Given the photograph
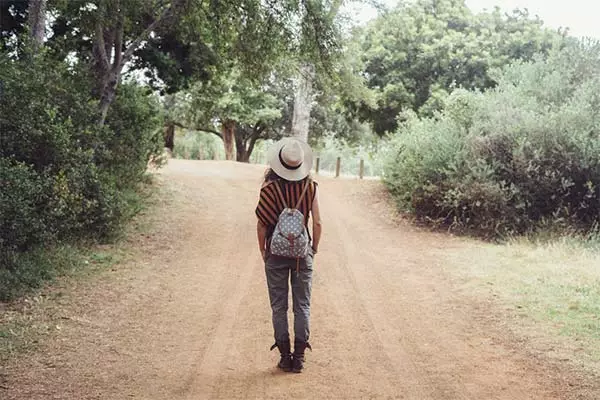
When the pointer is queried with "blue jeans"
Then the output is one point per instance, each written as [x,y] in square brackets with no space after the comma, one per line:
[280,272]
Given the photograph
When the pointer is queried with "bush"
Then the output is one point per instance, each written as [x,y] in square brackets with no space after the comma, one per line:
[523,154]
[23,200]
[62,177]
[132,135]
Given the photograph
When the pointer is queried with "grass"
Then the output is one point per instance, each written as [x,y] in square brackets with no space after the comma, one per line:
[37,267]
[28,317]
[553,286]
[29,295]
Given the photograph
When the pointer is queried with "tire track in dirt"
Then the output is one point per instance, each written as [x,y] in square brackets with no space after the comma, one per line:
[395,281]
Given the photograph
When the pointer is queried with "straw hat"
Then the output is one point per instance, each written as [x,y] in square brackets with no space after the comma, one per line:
[291,159]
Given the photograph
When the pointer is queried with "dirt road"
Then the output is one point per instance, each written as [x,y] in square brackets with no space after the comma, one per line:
[190,319]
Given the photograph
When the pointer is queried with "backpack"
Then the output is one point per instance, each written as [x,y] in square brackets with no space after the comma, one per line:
[290,238]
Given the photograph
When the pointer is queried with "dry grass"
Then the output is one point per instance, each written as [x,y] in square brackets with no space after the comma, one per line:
[551,290]
[30,318]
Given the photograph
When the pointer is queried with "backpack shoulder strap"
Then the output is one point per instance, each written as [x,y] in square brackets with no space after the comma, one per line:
[306,185]
[278,187]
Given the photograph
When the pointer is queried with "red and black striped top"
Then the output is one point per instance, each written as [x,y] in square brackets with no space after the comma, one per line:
[270,204]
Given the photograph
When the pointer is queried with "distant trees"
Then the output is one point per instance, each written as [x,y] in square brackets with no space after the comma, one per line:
[415,55]
[176,42]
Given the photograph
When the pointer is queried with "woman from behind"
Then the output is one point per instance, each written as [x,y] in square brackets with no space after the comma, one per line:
[288,200]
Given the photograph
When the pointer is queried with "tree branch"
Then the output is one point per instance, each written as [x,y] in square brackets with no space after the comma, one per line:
[250,149]
[197,128]
[100,45]
[119,41]
[259,128]
[134,45]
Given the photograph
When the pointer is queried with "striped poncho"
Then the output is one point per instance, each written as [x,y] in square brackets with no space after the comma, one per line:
[270,205]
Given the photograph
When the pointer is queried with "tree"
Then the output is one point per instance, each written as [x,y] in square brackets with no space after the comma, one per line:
[103,34]
[237,110]
[418,53]
[114,45]
[303,102]
[176,42]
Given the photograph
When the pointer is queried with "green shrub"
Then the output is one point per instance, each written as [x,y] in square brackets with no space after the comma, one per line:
[23,200]
[523,154]
[132,135]
[62,177]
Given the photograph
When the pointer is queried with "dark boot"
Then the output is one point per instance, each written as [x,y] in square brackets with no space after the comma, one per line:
[298,356]
[285,363]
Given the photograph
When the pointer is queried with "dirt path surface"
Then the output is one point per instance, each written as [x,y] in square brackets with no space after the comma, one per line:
[190,318]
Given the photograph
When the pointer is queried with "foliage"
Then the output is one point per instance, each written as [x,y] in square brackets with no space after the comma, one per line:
[523,154]
[35,267]
[198,146]
[66,177]
[13,18]
[415,55]
[233,97]
[135,118]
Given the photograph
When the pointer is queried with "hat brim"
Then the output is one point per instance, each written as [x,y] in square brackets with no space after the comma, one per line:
[286,173]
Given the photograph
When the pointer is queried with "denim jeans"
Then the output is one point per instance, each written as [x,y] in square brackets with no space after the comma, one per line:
[280,272]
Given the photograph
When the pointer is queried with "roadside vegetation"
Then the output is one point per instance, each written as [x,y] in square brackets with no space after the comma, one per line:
[550,290]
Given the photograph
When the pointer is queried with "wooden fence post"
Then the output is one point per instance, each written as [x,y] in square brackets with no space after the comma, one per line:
[317,166]
[361,172]
[337,167]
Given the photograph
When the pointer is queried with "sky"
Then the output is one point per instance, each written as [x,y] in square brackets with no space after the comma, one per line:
[580,16]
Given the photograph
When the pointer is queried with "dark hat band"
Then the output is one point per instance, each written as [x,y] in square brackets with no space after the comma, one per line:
[286,166]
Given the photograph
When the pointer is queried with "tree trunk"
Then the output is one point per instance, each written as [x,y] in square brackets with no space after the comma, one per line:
[250,148]
[108,55]
[246,140]
[37,21]
[243,150]
[303,100]
[240,146]
[242,155]
[228,133]
[169,136]
[108,93]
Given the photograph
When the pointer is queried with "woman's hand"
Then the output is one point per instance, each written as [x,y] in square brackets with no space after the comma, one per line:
[263,253]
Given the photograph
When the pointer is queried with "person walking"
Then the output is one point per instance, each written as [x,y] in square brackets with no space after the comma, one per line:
[288,199]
